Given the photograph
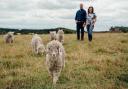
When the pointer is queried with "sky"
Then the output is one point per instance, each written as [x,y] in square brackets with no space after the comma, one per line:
[42,14]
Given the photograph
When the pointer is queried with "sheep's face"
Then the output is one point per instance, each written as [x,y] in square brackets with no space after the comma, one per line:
[53,34]
[61,32]
[41,49]
[53,51]
[9,35]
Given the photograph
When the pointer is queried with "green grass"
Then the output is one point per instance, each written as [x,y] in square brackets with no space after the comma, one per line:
[101,65]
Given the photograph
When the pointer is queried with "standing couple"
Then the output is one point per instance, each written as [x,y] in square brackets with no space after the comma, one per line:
[85,19]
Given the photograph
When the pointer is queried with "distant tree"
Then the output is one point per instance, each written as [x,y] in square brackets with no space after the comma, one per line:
[119,29]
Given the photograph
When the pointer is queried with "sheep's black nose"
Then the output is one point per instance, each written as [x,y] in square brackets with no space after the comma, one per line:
[53,54]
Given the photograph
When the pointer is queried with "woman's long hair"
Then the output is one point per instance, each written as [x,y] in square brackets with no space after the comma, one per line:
[92,10]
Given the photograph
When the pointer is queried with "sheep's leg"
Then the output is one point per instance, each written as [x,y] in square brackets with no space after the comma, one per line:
[52,38]
[55,77]
[48,67]
[36,51]
[11,41]
[51,74]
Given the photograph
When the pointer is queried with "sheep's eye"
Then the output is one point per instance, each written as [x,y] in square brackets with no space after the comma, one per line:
[58,48]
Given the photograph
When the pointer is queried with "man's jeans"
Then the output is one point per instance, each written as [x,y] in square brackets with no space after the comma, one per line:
[80,28]
[90,29]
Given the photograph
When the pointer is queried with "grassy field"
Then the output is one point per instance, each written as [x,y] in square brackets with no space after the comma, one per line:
[101,65]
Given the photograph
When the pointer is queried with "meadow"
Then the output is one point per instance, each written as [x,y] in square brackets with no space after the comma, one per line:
[101,65]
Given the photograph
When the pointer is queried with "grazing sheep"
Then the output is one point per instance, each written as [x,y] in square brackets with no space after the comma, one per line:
[37,44]
[60,36]
[18,34]
[9,37]
[55,59]
[31,33]
[53,35]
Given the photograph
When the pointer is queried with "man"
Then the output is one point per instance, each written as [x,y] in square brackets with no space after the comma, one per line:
[80,19]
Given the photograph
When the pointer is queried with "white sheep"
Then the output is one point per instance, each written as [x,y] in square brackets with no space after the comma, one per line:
[37,44]
[18,34]
[55,59]
[53,35]
[60,36]
[9,37]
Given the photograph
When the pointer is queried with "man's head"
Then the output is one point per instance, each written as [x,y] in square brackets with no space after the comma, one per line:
[81,5]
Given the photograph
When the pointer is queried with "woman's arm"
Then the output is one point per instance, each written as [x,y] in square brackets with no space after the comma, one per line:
[94,19]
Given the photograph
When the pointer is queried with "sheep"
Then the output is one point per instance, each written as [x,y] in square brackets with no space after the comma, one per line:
[55,59]
[18,33]
[60,36]
[53,35]
[9,37]
[37,45]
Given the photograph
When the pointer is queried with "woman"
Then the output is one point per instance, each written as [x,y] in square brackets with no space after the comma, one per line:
[91,19]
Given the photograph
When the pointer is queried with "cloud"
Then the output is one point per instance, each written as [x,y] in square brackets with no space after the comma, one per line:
[56,13]
[57,4]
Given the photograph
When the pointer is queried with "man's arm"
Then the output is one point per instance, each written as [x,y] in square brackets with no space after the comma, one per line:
[85,18]
[76,17]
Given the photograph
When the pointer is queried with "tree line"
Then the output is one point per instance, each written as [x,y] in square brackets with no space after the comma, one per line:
[119,29]
[37,31]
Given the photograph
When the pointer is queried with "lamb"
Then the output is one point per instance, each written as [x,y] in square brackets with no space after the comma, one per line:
[9,37]
[55,59]
[60,36]
[53,35]
[37,45]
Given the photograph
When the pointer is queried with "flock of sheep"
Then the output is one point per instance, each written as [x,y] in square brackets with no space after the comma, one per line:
[54,51]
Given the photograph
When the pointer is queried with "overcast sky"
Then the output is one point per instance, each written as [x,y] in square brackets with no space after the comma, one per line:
[60,13]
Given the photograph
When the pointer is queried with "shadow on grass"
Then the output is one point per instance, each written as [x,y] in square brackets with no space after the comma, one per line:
[123,80]
[124,41]
[63,79]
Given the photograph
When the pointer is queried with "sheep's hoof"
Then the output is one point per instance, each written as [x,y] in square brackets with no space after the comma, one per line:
[54,85]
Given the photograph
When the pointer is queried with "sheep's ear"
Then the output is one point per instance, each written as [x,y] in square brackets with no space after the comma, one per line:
[59,50]
[46,50]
